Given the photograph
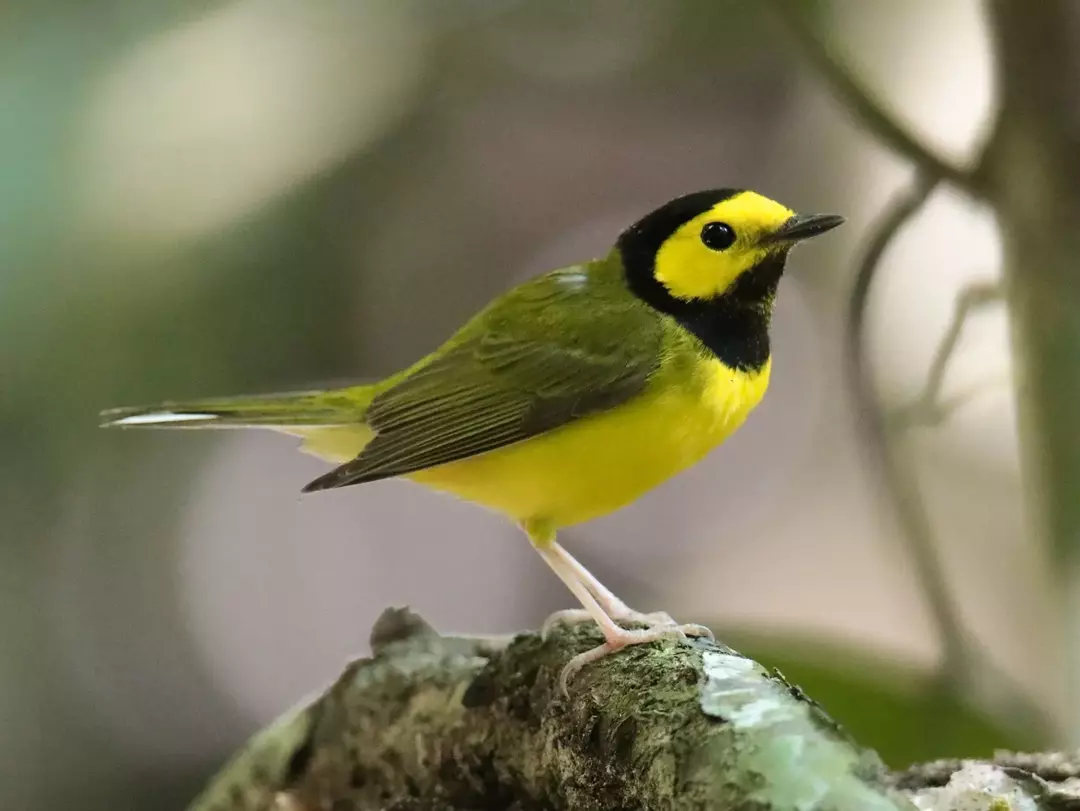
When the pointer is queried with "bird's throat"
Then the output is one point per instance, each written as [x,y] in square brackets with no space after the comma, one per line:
[737,335]
[733,326]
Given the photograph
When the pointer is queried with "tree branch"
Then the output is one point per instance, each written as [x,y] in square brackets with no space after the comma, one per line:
[963,666]
[441,722]
[1032,172]
[983,179]
[432,722]
[865,106]
[930,407]
[898,480]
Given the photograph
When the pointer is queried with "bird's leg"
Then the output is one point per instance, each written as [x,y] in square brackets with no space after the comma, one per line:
[615,637]
[616,608]
[611,604]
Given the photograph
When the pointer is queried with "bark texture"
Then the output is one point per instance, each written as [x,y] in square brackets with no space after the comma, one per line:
[433,722]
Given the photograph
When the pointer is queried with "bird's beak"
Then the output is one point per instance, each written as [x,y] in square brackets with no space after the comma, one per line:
[804,226]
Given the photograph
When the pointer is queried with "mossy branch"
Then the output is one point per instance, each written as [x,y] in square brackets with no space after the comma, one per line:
[433,722]
[442,722]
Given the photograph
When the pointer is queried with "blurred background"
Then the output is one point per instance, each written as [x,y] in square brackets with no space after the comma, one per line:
[212,198]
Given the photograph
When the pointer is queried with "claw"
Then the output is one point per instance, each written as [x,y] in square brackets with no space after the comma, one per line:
[656,619]
[696,631]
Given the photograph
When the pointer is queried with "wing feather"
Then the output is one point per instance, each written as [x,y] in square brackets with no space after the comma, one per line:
[544,355]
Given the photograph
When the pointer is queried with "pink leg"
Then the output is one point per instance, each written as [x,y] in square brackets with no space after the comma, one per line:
[611,604]
[598,603]
[615,637]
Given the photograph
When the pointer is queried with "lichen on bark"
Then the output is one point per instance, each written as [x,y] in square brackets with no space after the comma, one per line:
[433,722]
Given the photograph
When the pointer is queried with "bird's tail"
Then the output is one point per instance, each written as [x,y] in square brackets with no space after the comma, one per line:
[289,412]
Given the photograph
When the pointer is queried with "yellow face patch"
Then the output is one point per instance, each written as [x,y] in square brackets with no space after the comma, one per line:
[689,269]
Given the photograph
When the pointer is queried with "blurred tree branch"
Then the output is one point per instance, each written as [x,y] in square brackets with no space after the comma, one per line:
[433,722]
[930,407]
[964,666]
[1029,173]
[865,106]
[1032,181]
[897,476]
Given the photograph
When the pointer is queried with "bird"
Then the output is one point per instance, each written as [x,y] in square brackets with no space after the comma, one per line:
[569,396]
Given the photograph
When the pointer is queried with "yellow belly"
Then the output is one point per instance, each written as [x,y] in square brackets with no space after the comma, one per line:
[601,463]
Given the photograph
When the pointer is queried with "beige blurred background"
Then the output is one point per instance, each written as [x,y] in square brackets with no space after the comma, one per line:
[257,195]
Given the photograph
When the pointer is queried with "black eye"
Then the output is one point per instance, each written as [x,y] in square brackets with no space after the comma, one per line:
[718,235]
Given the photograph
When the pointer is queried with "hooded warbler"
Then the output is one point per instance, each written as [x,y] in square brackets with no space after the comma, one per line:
[570,395]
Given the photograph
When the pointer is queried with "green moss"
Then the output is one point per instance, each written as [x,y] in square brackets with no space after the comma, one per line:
[442,723]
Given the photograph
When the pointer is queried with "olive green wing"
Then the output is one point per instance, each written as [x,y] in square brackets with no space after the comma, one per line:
[550,352]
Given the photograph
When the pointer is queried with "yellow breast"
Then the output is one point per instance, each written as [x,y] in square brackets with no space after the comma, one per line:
[603,462]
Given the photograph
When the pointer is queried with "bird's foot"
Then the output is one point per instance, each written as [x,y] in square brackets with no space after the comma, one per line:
[686,629]
[624,638]
[657,620]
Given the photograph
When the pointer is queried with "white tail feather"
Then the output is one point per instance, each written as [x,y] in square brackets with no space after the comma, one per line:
[163,418]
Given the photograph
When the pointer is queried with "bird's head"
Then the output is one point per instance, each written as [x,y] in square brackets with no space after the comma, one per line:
[724,243]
